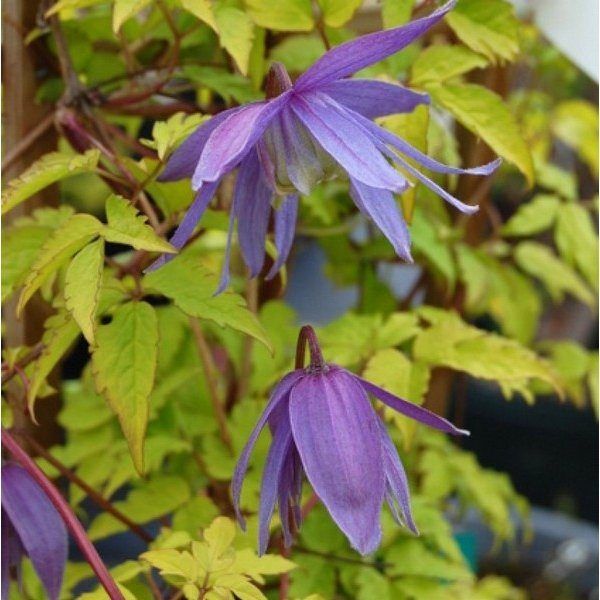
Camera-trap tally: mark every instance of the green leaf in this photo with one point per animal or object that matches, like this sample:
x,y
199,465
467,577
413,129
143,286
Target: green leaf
x,y
575,122
557,180
284,15
557,277
191,286
195,515
489,27
66,240
440,63
298,52
47,170
230,86
124,363
452,343
338,12
60,332
82,286
313,575
127,226
484,113
150,500
373,585
125,9
410,557
572,363
533,217
236,33
577,241
22,243
428,238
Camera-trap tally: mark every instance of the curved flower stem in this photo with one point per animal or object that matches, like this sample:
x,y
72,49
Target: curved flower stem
x,y
71,521
308,336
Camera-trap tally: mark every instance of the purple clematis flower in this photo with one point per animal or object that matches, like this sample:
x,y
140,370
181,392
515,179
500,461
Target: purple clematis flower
x,y
323,424
31,527
312,130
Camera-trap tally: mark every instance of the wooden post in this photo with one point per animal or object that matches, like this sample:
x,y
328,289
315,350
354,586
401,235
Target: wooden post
x,y
20,77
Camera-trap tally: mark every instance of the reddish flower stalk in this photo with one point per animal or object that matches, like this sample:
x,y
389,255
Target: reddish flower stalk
x,y
71,521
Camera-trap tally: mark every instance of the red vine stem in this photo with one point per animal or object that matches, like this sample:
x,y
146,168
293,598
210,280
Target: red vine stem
x,y
71,521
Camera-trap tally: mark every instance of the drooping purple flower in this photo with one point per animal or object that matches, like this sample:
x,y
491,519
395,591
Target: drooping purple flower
x,y
312,130
323,424
31,527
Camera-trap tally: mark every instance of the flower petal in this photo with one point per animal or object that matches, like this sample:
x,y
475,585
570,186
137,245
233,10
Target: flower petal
x,y
352,56
381,137
290,493
38,525
273,471
347,142
280,394
382,208
285,227
186,228
396,482
233,138
410,410
183,161
387,137
372,98
335,430
253,207
225,273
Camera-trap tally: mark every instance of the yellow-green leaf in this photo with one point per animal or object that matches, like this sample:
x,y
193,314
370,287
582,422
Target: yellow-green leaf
x,y
338,12
125,9
47,170
558,277
22,243
219,535
124,363
82,286
575,122
60,332
236,33
534,216
577,241
440,63
393,371
411,127
127,226
452,343
490,27
484,113
283,15
396,12
72,235
191,286
201,9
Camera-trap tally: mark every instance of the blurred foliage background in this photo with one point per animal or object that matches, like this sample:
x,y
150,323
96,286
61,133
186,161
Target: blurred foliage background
x,y
145,387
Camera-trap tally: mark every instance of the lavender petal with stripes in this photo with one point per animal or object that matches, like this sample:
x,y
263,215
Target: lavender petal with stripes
x,y
307,132
323,426
31,527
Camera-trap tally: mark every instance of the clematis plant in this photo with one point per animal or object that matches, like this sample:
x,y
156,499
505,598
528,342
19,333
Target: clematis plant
x,y
306,132
324,425
31,527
